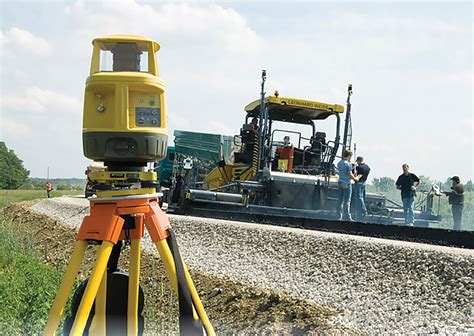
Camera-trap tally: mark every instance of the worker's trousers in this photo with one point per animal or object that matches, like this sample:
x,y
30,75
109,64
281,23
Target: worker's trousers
x,y
408,207
344,201
457,215
359,197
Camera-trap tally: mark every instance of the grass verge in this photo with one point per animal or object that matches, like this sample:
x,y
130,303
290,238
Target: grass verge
x,y
27,285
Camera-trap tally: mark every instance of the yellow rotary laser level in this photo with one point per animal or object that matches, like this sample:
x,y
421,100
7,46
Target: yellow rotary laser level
x,y
124,102
124,126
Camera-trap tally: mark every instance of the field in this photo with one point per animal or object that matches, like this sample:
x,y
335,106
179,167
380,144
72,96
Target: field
x,y
8,197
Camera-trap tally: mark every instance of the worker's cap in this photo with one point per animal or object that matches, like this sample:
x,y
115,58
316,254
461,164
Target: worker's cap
x,y
360,158
455,179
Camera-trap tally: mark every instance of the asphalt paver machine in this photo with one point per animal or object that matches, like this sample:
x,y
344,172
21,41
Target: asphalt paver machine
x,y
275,177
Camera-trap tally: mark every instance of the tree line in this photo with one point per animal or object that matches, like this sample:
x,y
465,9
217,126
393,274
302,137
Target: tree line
x,y
13,176
386,184
12,172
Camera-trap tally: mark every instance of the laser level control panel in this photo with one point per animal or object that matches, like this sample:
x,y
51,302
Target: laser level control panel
x,y
147,111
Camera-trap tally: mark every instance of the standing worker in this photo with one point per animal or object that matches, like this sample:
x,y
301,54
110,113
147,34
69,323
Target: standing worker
x,y
456,199
49,188
344,185
407,183
362,171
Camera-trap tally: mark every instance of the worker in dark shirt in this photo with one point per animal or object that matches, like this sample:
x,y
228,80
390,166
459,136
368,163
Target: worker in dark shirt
x,y
362,170
407,183
255,123
456,199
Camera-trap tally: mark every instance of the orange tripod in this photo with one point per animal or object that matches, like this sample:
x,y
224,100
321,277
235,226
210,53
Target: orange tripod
x,y
106,225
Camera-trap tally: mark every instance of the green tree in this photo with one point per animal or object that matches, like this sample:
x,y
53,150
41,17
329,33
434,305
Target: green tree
x,y
384,184
446,185
426,183
12,172
468,186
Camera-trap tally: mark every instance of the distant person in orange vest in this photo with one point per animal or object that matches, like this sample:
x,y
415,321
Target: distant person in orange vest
x,y
49,188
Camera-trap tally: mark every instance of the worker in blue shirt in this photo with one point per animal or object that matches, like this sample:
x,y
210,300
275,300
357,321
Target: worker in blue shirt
x,y
344,186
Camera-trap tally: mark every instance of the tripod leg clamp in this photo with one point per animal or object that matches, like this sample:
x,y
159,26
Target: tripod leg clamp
x,y
102,224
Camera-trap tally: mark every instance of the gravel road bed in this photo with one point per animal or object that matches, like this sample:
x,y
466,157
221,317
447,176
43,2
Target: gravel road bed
x,y
379,286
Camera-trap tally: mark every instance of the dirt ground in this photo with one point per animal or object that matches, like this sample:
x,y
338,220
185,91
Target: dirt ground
x,y
233,308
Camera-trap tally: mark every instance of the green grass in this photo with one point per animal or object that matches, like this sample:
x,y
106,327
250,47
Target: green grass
x,y
8,197
27,285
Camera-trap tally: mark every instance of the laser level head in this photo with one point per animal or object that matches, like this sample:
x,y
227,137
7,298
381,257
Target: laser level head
x,y
124,103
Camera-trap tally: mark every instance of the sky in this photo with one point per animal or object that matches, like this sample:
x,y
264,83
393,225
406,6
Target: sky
x,y
410,64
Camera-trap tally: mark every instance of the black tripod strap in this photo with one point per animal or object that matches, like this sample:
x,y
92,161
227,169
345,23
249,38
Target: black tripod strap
x,y
187,325
112,264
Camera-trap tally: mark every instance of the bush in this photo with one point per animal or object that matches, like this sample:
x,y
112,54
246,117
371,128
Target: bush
x,y
62,186
27,186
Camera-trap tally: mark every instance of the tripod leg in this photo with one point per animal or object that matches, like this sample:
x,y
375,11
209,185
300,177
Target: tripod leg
x,y
98,326
167,258
65,288
170,268
197,302
168,262
133,283
160,231
92,287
